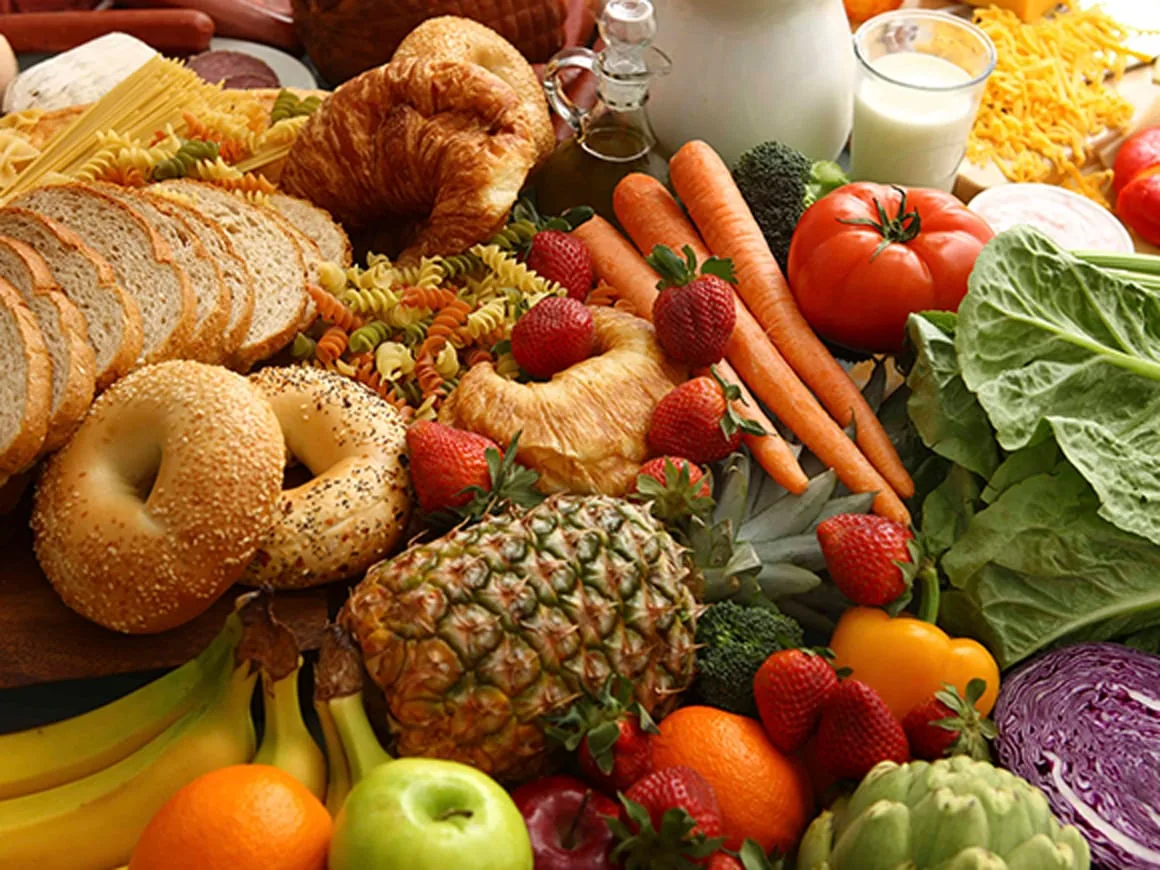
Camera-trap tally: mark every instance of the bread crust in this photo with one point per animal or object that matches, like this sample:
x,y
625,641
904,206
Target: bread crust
x,y
232,333
179,342
441,147
124,358
154,508
585,430
283,204
80,379
353,512
24,447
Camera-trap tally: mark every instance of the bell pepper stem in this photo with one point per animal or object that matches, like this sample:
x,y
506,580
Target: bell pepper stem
x,y
928,581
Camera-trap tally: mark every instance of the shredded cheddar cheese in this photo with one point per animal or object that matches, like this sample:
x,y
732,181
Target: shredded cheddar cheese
x,y
1051,92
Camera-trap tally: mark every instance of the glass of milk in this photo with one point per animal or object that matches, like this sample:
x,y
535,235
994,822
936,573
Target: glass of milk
x,y
921,76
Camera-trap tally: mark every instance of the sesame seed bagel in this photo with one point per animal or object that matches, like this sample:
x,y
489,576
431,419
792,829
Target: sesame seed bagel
x,y
355,508
157,503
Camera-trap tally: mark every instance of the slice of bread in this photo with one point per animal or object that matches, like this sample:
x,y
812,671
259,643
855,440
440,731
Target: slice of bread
x,y
111,315
25,383
213,297
274,258
140,257
63,328
233,269
316,224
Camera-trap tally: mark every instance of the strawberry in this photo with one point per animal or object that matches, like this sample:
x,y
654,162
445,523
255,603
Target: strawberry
x,y
790,689
857,731
946,723
866,554
459,472
694,314
724,861
611,733
555,334
561,257
697,421
670,821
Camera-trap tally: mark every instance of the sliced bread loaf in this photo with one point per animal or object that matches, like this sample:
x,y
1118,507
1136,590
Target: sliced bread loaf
x,y
213,297
63,328
316,224
232,268
140,257
274,258
25,383
112,317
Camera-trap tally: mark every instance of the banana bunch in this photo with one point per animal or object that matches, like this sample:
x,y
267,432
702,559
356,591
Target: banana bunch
x,y
76,795
352,747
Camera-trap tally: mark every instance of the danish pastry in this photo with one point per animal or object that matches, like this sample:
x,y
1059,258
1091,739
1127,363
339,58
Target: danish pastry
x,y
430,149
583,431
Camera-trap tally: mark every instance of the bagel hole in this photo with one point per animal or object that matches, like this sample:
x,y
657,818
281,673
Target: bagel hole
x,y
144,477
295,475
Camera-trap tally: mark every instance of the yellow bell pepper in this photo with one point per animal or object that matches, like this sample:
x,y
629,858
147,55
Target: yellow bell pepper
x,y
906,660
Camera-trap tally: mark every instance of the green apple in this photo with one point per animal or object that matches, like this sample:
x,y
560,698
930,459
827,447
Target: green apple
x,y
425,814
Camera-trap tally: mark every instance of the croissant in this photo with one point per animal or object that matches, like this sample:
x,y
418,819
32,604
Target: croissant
x,y
583,431
428,149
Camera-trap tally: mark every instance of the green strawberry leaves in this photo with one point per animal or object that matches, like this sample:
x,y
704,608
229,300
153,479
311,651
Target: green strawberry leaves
x,y
676,272
676,846
595,717
731,422
974,731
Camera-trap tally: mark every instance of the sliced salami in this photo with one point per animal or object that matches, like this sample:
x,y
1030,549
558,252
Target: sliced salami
x,y
228,67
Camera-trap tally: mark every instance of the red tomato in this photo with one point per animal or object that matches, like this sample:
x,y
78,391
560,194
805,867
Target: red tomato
x,y
1139,153
865,257
1138,204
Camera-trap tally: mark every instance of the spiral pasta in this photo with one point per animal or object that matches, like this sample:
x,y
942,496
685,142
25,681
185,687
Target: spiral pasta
x,y
444,326
367,338
485,321
189,155
427,273
427,297
332,277
369,301
607,295
478,355
512,273
332,310
506,366
394,360
428,377
447,362
303,347
338,366
514,235
288,105
332,344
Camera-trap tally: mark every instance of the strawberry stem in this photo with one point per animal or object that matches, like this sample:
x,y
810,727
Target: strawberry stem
x,y
676,272
731,422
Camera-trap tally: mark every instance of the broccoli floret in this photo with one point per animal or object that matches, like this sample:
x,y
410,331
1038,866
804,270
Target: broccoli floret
x,y
734,642
779,183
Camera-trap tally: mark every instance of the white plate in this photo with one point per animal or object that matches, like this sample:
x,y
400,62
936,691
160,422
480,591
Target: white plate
x,y
291,72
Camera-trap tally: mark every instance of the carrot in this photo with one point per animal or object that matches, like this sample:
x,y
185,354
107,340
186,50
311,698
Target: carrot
x,y
717,207
616,261
653,217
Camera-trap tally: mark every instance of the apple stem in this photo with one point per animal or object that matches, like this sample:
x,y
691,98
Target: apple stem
x,y
569,841
453,813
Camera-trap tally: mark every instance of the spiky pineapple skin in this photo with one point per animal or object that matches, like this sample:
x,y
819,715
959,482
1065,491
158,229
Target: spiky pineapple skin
x,y
475,637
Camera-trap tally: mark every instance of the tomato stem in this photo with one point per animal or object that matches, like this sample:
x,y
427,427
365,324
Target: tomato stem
x,y
902,228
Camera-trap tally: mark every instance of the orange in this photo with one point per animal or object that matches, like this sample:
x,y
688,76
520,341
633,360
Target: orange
x,y
763,794
245,817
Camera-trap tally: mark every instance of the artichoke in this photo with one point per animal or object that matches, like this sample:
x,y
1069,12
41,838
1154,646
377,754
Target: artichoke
x,y
953,814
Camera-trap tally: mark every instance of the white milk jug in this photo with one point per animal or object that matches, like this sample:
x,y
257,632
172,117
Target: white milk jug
x,y
746,71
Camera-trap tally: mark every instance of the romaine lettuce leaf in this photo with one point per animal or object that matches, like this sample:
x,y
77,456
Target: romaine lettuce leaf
x,y
1053,347
948,417
1039,566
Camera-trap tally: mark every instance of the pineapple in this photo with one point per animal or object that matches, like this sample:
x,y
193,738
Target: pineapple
x,y
478,636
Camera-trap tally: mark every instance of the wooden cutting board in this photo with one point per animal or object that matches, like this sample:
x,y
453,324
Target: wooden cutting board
x,y
42,641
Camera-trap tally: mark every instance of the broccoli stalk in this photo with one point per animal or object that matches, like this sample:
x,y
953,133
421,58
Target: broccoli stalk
x,y
779,183
733,643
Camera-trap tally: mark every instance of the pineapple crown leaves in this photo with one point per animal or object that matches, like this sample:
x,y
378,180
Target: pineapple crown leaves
x,y
974,730
676,272
676,846
595,717
731,421
677,499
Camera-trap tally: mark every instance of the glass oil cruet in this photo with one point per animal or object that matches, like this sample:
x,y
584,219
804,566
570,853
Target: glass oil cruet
x,y
614,137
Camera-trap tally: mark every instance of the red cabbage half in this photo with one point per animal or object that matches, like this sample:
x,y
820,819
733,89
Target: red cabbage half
x,y
1083,724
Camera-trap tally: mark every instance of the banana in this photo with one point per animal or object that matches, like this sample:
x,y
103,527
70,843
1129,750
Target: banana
x,y
338,783
360,744
93,823
287,743
43,758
